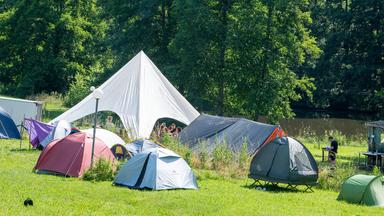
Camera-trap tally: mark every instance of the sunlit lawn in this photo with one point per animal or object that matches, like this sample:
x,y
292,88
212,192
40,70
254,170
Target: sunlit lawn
x,y
56,195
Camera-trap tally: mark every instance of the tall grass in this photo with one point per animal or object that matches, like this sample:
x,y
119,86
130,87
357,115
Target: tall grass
x,y
102,170
221,160
332,179
342,139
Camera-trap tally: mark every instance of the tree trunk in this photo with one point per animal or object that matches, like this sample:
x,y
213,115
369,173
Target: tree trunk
x,y
164,39
268,42
223,37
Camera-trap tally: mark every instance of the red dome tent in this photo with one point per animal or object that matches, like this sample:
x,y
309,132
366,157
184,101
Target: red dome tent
x,y
71,155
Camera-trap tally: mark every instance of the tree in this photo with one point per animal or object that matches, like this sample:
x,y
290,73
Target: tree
x,y
349,73
48,43
245,53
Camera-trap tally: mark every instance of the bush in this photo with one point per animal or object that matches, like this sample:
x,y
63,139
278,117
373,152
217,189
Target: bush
x,y
102,170
173,144
243,156
376,171
78,90
333,179
222,156
203,155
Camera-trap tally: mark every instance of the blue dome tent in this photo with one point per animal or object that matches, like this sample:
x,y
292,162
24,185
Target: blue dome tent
x,y
156,169
8,129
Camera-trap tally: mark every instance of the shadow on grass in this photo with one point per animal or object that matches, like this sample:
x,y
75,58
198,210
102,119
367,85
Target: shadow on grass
x,y
24,150
54,174
276,188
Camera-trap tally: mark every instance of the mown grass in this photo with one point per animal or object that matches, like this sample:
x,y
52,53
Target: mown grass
x,y
223,192
56,195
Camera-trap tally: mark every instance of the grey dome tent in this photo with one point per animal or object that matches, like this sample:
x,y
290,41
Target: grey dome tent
x,y
8,129
213,130
363,189
157,169
284,160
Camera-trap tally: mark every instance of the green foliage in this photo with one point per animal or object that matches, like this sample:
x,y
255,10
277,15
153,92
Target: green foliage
x,y
172,143
77,91
245,58
349,72
245,66
203,155
376,171
333,179
102,170
243,155
222,156
46,44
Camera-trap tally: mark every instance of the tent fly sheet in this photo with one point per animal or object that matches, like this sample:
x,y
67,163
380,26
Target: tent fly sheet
x,y
157,169
140,95
213,130
284,160
108,137
37,131
363,189
8,129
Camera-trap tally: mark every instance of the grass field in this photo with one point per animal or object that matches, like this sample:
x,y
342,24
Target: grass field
x,y
56,195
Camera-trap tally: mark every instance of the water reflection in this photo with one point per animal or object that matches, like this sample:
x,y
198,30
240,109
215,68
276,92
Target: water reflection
x,y
350,124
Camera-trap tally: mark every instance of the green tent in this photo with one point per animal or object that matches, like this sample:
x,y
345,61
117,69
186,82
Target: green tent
x,y
363,189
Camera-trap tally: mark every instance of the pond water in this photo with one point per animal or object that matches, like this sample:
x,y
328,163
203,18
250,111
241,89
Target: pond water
x,y
319,123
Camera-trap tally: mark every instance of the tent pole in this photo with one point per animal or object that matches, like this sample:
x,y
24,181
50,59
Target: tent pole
x,y
21,131
94,131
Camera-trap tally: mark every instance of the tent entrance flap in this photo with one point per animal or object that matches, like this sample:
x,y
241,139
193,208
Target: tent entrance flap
x,y
142,173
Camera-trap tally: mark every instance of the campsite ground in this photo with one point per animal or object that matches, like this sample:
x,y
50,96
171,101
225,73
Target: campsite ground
x,y
56,195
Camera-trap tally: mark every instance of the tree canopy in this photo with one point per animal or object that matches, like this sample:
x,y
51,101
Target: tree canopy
x,y
229,57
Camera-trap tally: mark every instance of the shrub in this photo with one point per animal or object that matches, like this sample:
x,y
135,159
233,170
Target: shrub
x,y
376,171
222,156
173,144
333,179
102,170
203,155
77,90
243,156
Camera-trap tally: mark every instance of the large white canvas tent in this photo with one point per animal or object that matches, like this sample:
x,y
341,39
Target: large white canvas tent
x,y
19,109
140,95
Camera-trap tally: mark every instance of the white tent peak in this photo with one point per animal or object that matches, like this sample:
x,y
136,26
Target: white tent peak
x,y
140,95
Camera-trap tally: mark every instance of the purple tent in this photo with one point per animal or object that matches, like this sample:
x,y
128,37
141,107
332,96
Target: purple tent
x,y
37,131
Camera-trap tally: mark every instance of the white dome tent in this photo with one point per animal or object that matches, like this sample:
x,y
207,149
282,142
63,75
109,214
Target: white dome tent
x,y
140,95
108,137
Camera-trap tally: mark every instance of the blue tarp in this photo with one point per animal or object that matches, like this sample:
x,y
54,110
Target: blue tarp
x,y
8,129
